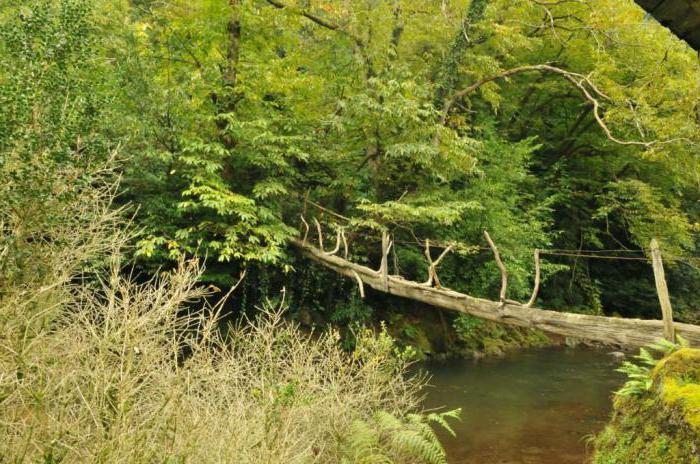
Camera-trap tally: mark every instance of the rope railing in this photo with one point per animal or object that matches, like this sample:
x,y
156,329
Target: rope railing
x,y
456,245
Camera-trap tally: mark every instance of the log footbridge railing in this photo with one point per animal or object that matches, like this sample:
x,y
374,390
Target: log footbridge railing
x,y
607,330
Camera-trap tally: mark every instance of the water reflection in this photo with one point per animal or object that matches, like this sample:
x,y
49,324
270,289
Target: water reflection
x,y
531,407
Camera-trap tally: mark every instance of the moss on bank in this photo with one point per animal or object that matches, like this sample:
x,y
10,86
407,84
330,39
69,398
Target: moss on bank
x,y
663,424
477,337
461,336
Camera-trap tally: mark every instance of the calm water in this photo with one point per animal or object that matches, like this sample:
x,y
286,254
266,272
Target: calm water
x,y
530,407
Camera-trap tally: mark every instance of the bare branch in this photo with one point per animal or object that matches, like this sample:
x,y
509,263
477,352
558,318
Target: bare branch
x,y
337,244
583,83
306,232
536,287
318,20
360,284
345,243
384,267
320,235
501,267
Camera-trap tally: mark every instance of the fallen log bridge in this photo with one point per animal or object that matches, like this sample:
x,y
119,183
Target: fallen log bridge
x,y
608,330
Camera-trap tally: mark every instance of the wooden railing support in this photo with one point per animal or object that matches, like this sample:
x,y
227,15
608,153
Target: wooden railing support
x,y
501,267
536,287
320,235
433,279
662,291
384,267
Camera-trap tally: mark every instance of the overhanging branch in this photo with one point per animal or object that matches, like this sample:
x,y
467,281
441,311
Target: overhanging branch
x,y
583,83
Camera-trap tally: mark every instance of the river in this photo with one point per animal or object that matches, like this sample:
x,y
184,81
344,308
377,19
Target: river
x,y
534,406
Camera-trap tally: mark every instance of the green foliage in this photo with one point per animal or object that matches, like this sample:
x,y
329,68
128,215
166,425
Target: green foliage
x,y
228,133
230,113
639,374
477,337
659,424
54,136
384,438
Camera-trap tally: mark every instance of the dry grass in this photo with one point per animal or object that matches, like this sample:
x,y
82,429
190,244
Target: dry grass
x,y
114,371
133,374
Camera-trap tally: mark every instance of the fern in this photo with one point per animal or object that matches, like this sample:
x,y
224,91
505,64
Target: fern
x,y
639,374
387,439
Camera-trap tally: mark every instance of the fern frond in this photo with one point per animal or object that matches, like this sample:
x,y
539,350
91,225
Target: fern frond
x,y
441,419
412,443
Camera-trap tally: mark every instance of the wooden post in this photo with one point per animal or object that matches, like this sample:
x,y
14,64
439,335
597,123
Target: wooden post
x,y
384,268
662,291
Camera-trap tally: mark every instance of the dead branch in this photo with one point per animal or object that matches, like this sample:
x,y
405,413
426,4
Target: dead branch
x,y
306,232
536,287
384,266
337,243
608,330
501,267
345,243
360,284
320,235
433,279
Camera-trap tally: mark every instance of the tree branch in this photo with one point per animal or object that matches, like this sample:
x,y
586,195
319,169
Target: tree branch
x,y
317,20
501,267
583,83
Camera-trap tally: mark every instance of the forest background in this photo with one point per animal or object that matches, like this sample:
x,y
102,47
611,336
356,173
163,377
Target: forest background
x,y
567,125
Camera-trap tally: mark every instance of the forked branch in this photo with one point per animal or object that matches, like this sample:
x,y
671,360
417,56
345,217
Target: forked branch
x,y
433,279
306,229
501,267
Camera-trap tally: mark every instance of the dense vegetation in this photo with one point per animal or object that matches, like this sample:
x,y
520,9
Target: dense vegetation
x,y
230,114
657,413
137,135
240,110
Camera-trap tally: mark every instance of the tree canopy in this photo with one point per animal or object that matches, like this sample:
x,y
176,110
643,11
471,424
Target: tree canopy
x,y
554,125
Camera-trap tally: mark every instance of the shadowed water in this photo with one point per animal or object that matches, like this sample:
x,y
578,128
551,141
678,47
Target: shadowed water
x,y
530,407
